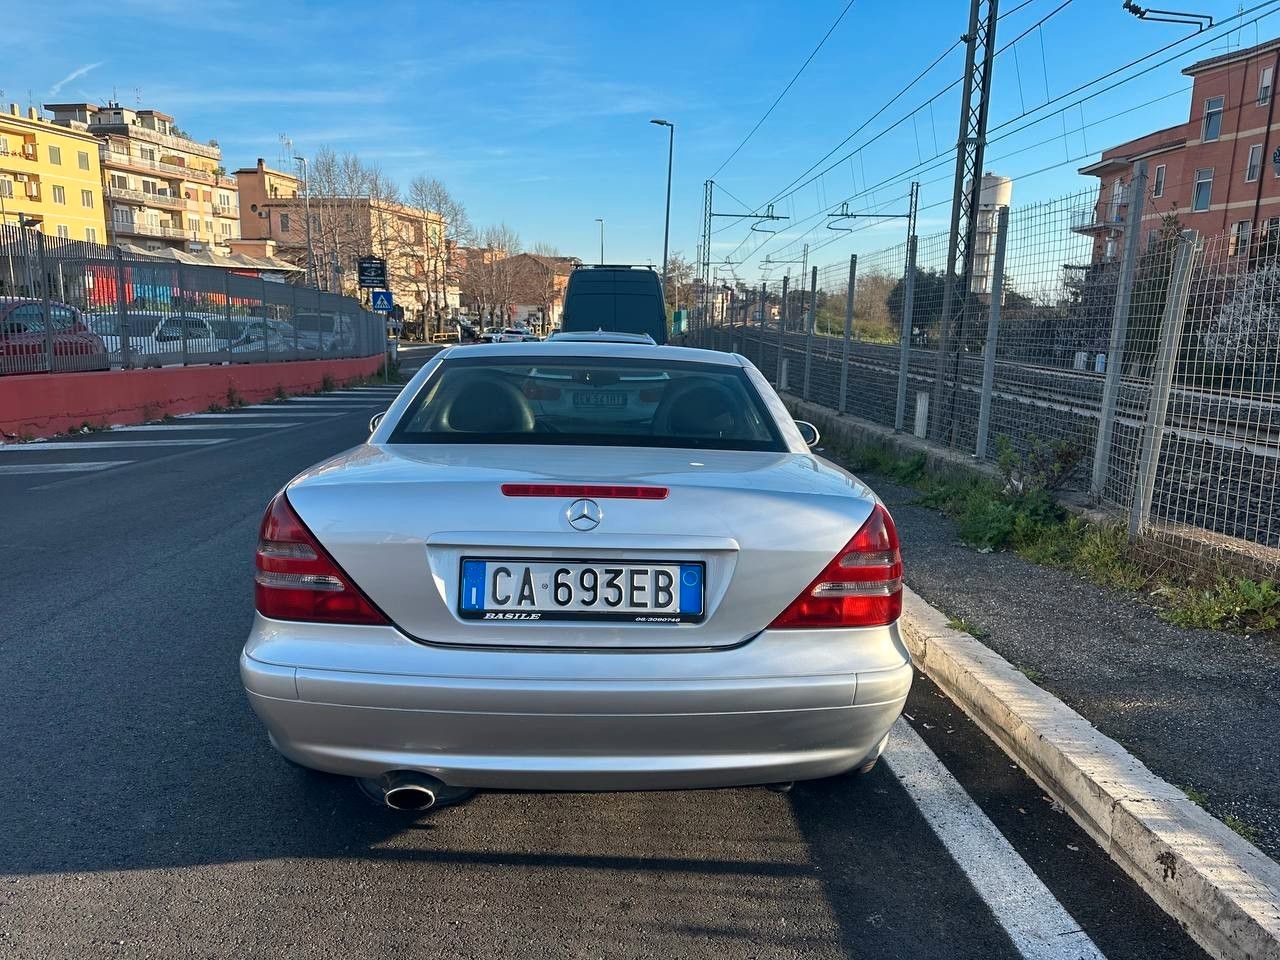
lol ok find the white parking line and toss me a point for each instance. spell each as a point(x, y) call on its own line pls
point(1038, 925)
point(11, 469)
point(102, 444)
point(341, 400)
point(179, 425)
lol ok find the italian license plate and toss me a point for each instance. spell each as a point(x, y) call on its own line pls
point(629, 591)
point(599, 398)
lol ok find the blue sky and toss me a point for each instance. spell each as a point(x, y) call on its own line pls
point(537, 114)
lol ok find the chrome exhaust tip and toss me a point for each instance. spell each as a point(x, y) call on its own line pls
point(409, 790)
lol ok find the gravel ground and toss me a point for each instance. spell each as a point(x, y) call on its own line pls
point(1201, 709)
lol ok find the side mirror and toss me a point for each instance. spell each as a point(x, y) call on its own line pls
point(809, 432)
point(375, 420)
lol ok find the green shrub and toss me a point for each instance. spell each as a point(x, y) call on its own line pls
point(1232, 603)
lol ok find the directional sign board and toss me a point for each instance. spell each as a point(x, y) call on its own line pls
point(382, 302)
point(373, 272)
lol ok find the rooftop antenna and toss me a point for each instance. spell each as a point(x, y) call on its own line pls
point(137, 97)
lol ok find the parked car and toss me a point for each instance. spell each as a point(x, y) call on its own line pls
point(515, 335)
point(24, 341)
point(615, 297)
point(490, 335)
point(324, 332)
point(158, 338)
point(266, 338)
point(509, 586)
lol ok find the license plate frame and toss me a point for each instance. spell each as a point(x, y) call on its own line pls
point(482, 613)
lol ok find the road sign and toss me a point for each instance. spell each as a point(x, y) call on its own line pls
point(382, 302)
point(373, 272)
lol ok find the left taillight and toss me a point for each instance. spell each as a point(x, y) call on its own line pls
point(296, 579)
point(860, 587)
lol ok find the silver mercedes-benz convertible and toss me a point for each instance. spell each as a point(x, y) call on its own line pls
point(578, 566)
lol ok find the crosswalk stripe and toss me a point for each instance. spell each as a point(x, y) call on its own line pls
point(179, 425)
point(103, 444)
point(11, 469)
point(1038, 925)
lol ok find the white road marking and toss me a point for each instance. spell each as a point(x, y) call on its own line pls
point(347, 401)
point(10, 469)
point(1038, 925)
point(179, 425)
point(102, 444)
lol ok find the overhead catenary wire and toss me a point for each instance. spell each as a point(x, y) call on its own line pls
point(790, 84)
point(1268, 7)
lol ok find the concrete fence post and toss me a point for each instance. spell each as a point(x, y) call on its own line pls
point(42, 271)
point(1119, 329)
point(178, 306)
point(810, 322)
point(848, 332)
point(782, 330)
point(993, 333)
point(904, 336)
point(1166, 361)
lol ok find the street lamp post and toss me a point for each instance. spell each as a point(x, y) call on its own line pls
point(306, 190)
point(600, 221)
point(666, 229)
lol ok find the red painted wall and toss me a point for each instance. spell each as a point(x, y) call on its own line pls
point(44, 404)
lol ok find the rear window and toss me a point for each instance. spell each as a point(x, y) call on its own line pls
point(606, 401)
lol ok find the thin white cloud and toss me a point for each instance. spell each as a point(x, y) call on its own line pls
point(75, 74)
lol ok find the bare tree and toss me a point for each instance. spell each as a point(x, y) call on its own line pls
point(680, 277)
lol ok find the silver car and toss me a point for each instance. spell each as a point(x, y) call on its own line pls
point(578, 566)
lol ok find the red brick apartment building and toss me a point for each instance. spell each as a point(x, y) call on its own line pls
point(1219, 171)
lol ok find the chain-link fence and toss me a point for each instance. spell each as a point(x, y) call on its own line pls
point(1143, 362)
point(72, 306)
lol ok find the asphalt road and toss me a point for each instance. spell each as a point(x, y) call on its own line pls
point(143, 813)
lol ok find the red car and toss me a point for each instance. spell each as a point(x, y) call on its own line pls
point(24, 346)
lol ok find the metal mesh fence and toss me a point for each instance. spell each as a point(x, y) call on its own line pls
point(1143, 361)
point(74, 306)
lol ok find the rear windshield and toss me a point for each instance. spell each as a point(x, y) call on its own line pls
point(606, 401)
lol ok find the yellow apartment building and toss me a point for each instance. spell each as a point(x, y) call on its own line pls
point(50, 175)
point(162, 187)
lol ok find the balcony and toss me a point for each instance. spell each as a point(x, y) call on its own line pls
point(223, 211)
point(1093, 221)
point(165, 200)
point(114, 159)
point(135, 131)
point(147, 230)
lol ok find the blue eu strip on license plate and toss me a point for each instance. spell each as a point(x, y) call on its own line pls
point(609, 590)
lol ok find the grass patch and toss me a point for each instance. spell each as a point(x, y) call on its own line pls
point(966, 626)
point(1240, 827)
point(215, 408)
point(279, 396)
point(1032, 674)
point(1198, 797)
point(1020, 512)
point(326, 384)
point(233, 398)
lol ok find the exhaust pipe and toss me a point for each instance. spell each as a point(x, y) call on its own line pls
point(409, 790)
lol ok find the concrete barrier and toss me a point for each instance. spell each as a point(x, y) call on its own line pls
point(40, 405)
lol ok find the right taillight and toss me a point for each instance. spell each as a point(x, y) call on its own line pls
point(297, 580)
point(860, 587)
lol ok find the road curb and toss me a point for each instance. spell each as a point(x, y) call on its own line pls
point(1220, 888)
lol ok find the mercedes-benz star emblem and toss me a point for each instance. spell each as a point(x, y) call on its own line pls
point(584, 514)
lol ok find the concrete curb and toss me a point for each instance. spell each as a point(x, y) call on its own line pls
point(1221, 889)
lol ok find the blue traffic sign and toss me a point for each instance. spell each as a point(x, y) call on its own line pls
point(382, 301)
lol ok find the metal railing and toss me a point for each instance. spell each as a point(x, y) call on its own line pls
point(1150, 374)
point(73, 306)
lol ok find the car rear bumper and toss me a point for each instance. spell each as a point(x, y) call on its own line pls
point(789, 705)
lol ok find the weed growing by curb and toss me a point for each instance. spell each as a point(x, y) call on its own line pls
point(1245, 831)
point(326, 384)
point(966, 626)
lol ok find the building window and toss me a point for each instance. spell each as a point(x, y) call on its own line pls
point(1238, 244)
point(1153, 237)
point(193, 223)
point(208, 227)
point(1254, 169)
point(1203, 190)
point(86, 198)
point(4, 146)
point(1109, 248)
point(146, 153)
point(1157, 188)
point(64, 231)
point(1212, 119)
point(55, 155)
point(6, 188)
point(226, 229)
point(91, 234)
point(284, 223)
point(59, 193)
point(1265, 76)
point(82, 158)
point(119, 181)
